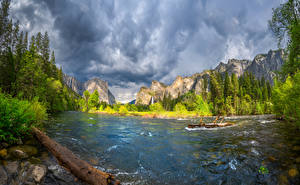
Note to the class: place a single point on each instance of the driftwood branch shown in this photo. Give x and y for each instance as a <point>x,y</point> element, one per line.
<point>77,167</point>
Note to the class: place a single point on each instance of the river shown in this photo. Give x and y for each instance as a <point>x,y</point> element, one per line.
<point>159,151</point>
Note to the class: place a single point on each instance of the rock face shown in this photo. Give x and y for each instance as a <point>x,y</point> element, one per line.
<point>179,87</point>
<point>263,65</point>
<point>91,85</point>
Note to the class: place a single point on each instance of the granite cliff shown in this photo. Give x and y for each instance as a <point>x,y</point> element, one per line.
<point>263,65</point>
<point>91,85</point>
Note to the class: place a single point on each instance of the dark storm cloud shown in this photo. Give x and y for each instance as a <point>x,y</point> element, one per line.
<point>133,42</point>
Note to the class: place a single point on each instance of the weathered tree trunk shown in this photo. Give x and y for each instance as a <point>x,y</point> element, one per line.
<point>77,167</point>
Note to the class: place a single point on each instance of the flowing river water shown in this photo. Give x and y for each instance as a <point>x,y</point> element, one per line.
<point>158,151</point>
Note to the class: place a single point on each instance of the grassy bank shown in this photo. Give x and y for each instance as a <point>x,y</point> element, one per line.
<point>149,114</point>
<point>17,117</point>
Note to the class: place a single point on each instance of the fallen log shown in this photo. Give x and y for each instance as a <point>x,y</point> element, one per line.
<point>76,166</point>
<point>211,125</point>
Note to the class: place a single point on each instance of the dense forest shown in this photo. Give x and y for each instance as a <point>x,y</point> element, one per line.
<point>30,83</point>
<point>228,95</point>
<point>285,24</point>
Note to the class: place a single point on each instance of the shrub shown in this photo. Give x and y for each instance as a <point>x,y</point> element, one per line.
<point>109,110</point>
<point>123,110</point>
<point>201,106</point>
<point>156,107</point>
<point>180,108</point>
<point>18,116</point>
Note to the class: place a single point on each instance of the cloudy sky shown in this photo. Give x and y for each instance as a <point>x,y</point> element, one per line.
<point>129,43</point>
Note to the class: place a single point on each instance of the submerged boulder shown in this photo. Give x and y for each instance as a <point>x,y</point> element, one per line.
<point>22,151</point>
<point>3,176</point>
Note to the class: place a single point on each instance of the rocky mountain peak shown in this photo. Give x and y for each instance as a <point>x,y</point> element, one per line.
<point>91,85</point>
<point>263,65</point>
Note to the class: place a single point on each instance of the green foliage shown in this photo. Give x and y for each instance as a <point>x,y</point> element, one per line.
<point>259,109</point>
<point>18,116</point>
<point>142,108</point>
<point>29,72</point>
<point>109,110</point>
<point>86,96</point>
<point>201,106</point>
<point>93,101</point>
<point>156,107</point>
<point>180,108</point>
<point>131,107</point>
<point>123,110</point>
<point>263,170</point>
<point>286,97</point>
<point>285,23</point>
<point>116,107</point>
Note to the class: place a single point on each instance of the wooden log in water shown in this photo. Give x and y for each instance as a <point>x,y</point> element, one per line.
<point>211,125</point>
<point>76,166</point>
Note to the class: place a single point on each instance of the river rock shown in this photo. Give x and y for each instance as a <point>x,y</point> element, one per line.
<point>61,174</point>
<point>22,151</point>
<point>293,172</point>
<point>19,154</point>
<point>39,172</point>
<point>3,145</point>
<point>12,167</point>
<point>3,176</point>
<point>3,153</point>
<point>19,142</point>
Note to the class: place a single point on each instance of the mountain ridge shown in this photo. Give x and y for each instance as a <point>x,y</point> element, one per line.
<point>91,85</point>
<point>263,65</point>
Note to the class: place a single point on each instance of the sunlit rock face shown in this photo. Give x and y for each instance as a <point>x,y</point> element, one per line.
<point>180,86</point>
<point>102,87</point>
<point>91,85</point>
<point>144,96</point>
<point>263,65</point>
<point>233,66</point>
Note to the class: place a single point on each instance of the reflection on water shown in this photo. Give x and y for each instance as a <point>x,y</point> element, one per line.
<point>155,151</point>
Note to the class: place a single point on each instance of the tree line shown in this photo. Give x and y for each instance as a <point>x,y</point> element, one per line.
<point>285,24</point>
<point>27,67</point>
<point>31,86</point>
<point>226,95</point>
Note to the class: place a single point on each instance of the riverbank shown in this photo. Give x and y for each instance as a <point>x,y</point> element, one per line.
<point>28,162</point>
<point>186,115</point>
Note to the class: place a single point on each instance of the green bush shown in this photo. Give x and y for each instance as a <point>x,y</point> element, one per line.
<point>18,116</point>
<point>109,110</point>
<point>123,110</point>
<point>180,108</point>
<point>201,106</point>
<point>156,107</point>
<point>286,97</point>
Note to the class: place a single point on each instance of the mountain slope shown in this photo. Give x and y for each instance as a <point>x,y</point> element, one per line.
<point>91,85</point>
<point>263,65</point>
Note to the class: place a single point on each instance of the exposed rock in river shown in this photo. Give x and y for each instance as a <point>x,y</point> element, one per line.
<point>263,65</point>
<point>91,85</point>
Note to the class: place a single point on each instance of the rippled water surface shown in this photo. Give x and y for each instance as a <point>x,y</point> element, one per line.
<point>156,151</point>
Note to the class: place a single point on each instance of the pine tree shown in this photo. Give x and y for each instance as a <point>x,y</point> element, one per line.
<point>32,47</point>
<point>45,51</point>
<point>86,95</point>
<point>226,86</point>
<point>25,43</point>
<point>38,42</point>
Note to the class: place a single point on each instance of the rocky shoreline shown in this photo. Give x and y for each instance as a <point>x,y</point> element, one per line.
<point>29,163</point>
